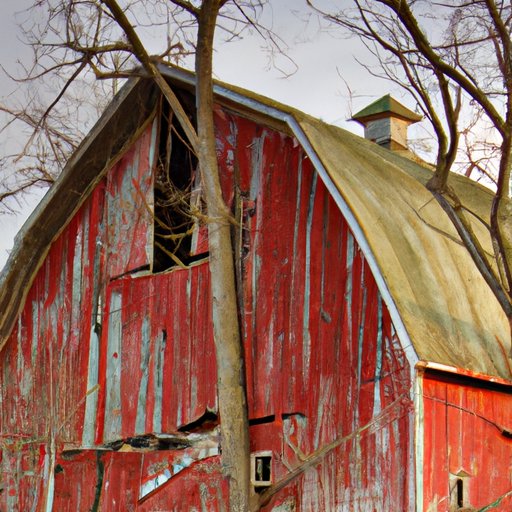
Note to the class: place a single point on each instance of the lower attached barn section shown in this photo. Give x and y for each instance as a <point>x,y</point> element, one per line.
<point>467,451</point>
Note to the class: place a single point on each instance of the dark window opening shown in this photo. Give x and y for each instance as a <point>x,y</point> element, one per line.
<point>178,203</point>
<point>261,469</point>
<point>205,423</point>
<point>460,493</point>
<point>261,421</point>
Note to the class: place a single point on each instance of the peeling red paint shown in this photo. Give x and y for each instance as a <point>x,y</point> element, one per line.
<point>129,195</point>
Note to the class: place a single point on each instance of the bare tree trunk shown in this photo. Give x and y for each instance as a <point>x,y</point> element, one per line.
<point>228,345</point>
<point>230,361</point>
<point>501,215</point>
<point>501,223</point>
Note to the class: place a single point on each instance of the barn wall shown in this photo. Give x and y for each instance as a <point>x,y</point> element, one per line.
<point>102,356</point>
<point>467,432</point>
<point>325,358</point>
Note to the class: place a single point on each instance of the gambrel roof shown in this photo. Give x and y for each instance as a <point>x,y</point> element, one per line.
<point>440,305</point>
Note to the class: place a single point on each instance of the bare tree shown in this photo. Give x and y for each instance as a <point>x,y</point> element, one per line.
<point>228,345</point>
<point>80,57</point>
<point>455,59</point>
<point>87,40</point>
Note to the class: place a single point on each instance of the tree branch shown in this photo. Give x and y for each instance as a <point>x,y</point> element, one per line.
<point>390,413</point>
<point>140,51</point>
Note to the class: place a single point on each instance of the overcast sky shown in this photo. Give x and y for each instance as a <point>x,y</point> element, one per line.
<point>324,63</point>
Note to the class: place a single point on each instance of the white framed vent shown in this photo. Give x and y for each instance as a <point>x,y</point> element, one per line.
<point>261,469</point>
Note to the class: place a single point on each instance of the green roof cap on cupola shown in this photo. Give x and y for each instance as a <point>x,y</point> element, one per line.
<point>386,121</point>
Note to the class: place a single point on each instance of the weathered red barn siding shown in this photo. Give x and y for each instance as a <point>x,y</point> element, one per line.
<point>157,359</point>
<point>324,357</point>
<point>100,355</point>
<point>44,365</point>
<point>458,414</point>
<point>129,195</point>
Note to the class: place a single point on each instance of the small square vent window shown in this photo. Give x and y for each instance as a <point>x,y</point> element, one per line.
<point>261,469</point>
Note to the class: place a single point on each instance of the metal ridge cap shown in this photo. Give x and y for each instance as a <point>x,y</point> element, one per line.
<point>231,92</point>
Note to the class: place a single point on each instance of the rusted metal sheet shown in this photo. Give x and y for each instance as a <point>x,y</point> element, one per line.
<point>101,356</point>
<point>467,447</point>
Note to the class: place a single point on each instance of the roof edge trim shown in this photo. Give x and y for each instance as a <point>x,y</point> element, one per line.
<point>227,93</point>
<point>44,224</point>
<point>462,372</point>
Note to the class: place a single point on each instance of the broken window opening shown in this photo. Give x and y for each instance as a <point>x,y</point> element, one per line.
<point>178,206</point>
<point>206,422</point>
<point>261,470</point>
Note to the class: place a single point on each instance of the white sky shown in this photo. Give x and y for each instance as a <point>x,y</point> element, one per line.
<point>316,88</point>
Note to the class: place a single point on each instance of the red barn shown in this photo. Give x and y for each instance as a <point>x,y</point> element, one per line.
<point>377,359</point>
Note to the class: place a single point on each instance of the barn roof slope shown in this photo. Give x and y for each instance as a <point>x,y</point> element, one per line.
<point>449,311</point>
<point>446,309</point>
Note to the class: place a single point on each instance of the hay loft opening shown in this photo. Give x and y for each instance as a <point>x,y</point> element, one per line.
<point>179,208</point>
